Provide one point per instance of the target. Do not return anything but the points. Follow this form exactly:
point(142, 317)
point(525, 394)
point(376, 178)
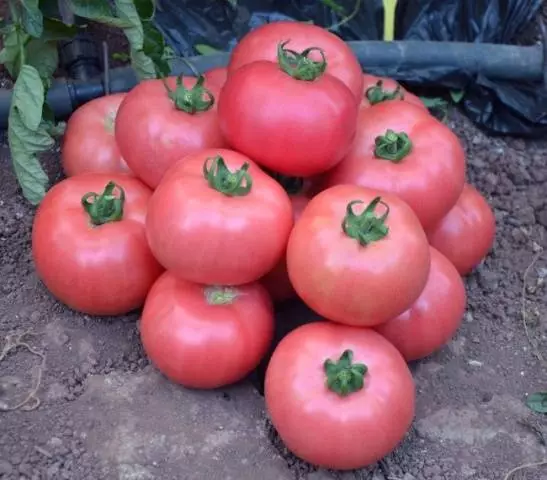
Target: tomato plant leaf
point(32, 19)
point(203, 49)
point(156, 49)
point(143, 65)
point(145, 8)
point(134, 32)
point(457, 95)
point(92, 9)
point(537, 402)
point(10, 54)
point(44, 57)
point(56, 30)
point(28, 96)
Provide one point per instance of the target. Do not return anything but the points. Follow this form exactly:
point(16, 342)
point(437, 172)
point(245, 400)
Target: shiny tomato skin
point(89, 144)
point(153, 134)
point(434, 318)
point(348, 432)
point(293, 127)
point(203, 345)
point(389, 85)
point(349, 283)
point(98, 270)
point(261, 44)
point(430, 178)
point(466, 234)
point(277, 281)
point(216, 77)
point(207, 237)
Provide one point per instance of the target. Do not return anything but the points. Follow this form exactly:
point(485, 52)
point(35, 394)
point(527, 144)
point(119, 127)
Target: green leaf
point(32, 18)
point(134, 32)
point(10, 54)
point(203, 49)
point(56, 30)
point(92, 9)
point(145, 8)
point(537, 402)
point(27, 135)
point(334, 6)
point(457, 95)
point(44, 57)
point(143, 65)
point(156, 49)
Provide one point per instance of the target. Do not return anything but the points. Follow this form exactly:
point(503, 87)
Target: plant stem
point(390, 7)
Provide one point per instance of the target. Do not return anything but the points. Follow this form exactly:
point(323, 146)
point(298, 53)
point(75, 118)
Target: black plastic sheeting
point(498, 106)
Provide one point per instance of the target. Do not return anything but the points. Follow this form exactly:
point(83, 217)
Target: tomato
point(402, 149)
point(339, 397)
point(358, 256)
point(217, 218)
point(206, 337)
point(89, 145)
point(216, 77)
point(262, 43)
point(466, 234)
point(286, 123)
point(156, 128)
point(89, 244)
point(383, 89)
point(434, 318)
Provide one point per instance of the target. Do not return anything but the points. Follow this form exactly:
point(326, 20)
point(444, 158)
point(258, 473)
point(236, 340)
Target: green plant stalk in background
point(390, 7)
point(30, 55)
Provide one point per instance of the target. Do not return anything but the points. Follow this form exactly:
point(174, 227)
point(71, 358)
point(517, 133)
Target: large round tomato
point(434, 318)
point(262, 43)
point(158, 125)
point(466, 234)
point(216, 77)
point(402, 149)
point(288, 116)
point(89, 244)
point(358, 256)
point(383, 89)
point(216, 218)
point(89, 145)
point(340, 397)
point(206, 337)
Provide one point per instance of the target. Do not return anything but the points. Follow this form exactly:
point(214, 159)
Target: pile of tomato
point(290, 173)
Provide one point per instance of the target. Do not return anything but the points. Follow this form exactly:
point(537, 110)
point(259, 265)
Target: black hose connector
point(80, 58)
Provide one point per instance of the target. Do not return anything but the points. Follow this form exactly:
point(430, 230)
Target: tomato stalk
point(191, 100)
point(366, 227)
point(107, 207)
point(392, 146)
point(219, 295)
point(343, 376)
point(377, 94)
point(219, 177)
point(298, 65)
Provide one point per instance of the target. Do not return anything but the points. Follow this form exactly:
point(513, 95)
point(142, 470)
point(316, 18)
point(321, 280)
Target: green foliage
point(30, 56)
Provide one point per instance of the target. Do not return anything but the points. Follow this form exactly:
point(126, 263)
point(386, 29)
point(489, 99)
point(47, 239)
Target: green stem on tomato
point(298, 65)
point(219, 295)
point(366, 227)
point(106, 207)
point(219, 177)
point(343, 376)
point(191, 100)
point(377, 94)
point(392, 146)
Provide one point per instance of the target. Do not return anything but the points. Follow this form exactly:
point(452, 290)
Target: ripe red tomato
point(466, 234)
point(206, 337)
point(402, 149)
point(216, 218)
point(261, 44)
point(155, 128)
point(358, 256)
point(434, 318)
point(286, 123)
point(383, 89)
point(347, 385)
point(89, 145)
point(216, 77)
point(89, 244)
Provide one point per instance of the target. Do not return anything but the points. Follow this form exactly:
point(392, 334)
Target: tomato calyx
point(219, 177)
point(191, 100)
point(392, 146)
point(106, 207)
point(377, 94)
point(343, 376)
point(298, 65)
point(220, 295)
point(366, 227)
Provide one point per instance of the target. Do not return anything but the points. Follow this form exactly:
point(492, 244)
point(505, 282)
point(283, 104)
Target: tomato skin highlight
point(466, 234)
point(89, 144)
point(261, 44)
point(200, 345)
point(98, 270)
point(349, 432)
point(207, 237)
point(349, 283)
point(429, 178)
point(434, 318)
point(153, 134)
point(294, 127)
point(389, 85)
